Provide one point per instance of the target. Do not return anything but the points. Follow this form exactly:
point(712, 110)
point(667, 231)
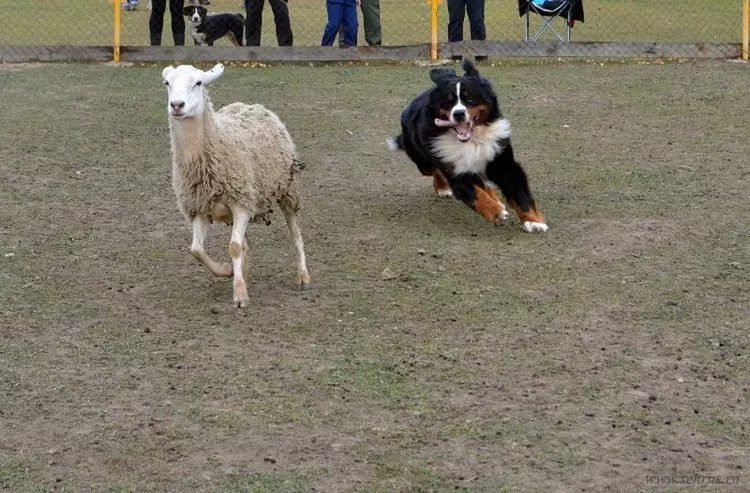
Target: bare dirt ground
point(608, 352)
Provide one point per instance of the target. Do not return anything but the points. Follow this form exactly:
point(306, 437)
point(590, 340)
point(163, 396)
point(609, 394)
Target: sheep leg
point(290, 213)
point(237, 249)
point(200, 230)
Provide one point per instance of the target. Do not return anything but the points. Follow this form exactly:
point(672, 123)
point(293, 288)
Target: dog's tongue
point(444, 123)
point(464, 131)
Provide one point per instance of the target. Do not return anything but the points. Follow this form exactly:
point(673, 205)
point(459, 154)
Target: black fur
point(215, 26)
point(419, 130)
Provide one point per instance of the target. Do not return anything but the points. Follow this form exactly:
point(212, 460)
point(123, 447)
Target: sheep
point(229, 166)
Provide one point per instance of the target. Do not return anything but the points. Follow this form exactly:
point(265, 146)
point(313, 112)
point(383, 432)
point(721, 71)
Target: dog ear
point(438, 75)
point(470, 69)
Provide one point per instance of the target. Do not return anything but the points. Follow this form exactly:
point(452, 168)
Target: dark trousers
point(156, 21)
point(456, 10)
point(341, 14)
point(254, 21)
point(371, 21)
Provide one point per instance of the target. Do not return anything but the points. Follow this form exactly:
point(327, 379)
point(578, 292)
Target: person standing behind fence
point(371, 21)
point(254, 22)
point(456, 10)
point(341, 14)
point(156, 21)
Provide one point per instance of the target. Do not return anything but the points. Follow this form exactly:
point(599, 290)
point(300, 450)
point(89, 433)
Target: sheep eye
point(199, 83)
point(166, 83)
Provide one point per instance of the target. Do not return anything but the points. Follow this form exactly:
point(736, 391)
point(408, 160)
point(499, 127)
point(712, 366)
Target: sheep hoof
point(241, 299)
point(225, 270)
point(303, 280)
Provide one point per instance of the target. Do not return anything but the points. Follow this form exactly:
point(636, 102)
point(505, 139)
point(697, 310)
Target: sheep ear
point(213, 74)
point(166, 71)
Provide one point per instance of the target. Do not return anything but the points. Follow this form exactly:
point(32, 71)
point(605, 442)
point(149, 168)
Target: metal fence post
point(745, 28)
point(116, 34)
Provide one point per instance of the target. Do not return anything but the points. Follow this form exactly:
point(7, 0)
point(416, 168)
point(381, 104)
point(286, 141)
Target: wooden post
point(745, 28)
point(434, 40)
point(116, 35)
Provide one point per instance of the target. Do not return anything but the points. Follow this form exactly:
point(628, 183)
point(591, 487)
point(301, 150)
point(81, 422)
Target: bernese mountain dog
point(456, 134)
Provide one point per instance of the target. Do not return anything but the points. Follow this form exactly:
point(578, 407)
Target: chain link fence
point(85, 29)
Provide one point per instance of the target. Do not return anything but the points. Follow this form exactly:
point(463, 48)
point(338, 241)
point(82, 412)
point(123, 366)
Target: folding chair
point(548, 11)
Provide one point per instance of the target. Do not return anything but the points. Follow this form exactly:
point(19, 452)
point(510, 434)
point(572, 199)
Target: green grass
point(89, 22)
point(613, 347)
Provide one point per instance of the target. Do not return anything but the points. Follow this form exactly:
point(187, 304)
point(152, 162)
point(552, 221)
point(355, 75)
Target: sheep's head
point(186, 89)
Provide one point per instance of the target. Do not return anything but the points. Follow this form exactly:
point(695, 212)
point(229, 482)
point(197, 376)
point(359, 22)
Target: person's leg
point(178, 21)
point(335, 18)
point(253, 21)
point(283, 24)
point(156, 21)
point(475, 10)
point(350, 24)
point(456, 13)
point(371, 21)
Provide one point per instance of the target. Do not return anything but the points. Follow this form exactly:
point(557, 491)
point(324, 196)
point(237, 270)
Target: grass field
point(612, 348)
point(89, 22)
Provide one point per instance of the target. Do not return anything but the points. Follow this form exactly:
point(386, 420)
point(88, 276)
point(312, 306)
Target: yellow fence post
point(116, 35)
point(434, 28)
point(745, 28)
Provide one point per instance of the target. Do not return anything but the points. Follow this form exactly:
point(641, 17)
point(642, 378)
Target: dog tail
point(395, 143)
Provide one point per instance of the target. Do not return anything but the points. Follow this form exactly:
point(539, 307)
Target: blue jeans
point(341, 13)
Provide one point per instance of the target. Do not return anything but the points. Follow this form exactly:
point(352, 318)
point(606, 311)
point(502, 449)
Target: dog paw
point(446, 193)
point(502, 218)
point(532, 227)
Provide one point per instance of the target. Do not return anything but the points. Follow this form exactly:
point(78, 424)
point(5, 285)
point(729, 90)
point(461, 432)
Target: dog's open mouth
point(463, 130)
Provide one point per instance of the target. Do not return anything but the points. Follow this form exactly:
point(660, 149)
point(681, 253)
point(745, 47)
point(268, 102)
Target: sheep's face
point(186, 89)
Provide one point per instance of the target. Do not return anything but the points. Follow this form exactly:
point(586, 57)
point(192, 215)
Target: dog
point(456, 134)
point(205, 29)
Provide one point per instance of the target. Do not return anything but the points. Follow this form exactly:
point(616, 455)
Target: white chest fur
point(472, 156)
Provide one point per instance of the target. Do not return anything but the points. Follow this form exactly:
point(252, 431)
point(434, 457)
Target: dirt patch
point(612, 349)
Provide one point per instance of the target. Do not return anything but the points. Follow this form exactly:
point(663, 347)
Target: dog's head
point(463, 103)
point(196, 14)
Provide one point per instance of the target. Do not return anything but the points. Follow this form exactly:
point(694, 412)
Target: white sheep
point(231, 166)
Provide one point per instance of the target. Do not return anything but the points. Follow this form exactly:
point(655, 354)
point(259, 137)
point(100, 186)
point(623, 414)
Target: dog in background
point(456, 134)
point(206, 29)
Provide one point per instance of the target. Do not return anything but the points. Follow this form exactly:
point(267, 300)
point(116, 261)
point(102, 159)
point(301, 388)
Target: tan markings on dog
point(493, 194)
point(440, 183)
point(235, 250)
point(532, 214)
point(479, 114)
point(444, 114)
point(487, 206)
